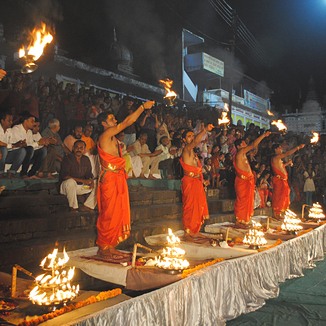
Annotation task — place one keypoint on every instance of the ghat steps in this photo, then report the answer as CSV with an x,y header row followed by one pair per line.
x,y
35,217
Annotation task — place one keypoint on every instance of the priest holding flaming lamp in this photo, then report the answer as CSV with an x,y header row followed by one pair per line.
x,y
194,203
244,181
281,189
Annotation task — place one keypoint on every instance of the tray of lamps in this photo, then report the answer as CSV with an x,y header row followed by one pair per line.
x,y
289,228
316,216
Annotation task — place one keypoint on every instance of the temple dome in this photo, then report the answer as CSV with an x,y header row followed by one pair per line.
x,y
119,53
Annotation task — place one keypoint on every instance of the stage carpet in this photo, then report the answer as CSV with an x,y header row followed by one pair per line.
x,y
302,301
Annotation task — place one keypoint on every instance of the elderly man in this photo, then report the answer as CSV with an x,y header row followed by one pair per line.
x,y
76,178
52,162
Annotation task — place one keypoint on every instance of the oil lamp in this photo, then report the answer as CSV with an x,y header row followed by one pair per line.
x,y
255,237
171,258
54,287
282,129
291,224
38,39
170,95
316,212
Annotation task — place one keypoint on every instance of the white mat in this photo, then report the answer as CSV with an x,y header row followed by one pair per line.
x,y
113,273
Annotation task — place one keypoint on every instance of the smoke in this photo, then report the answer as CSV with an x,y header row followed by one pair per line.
x,y
234,67
263,90
48,11
140,28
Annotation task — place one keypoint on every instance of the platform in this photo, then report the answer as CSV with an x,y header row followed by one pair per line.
x,y
221,292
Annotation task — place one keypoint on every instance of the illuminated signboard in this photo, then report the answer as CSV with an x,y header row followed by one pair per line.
x,y
255,102
203,61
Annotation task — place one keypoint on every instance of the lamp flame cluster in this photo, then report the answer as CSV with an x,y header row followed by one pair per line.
x,y
172,256
255,237
291,223
53,287
316,212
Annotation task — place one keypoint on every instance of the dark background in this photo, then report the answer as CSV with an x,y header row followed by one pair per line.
x,y
290,36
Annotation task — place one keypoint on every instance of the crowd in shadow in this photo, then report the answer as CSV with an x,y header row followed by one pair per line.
x,y
42,119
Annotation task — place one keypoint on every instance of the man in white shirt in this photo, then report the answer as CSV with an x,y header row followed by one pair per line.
x,y
150,160
11,153
166,154
23,133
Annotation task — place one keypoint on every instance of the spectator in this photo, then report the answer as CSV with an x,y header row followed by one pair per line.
x,y
34,155
76,178
13,154
69,141
40,148
126,109
55,148
309,184
149,160
148,124
224,142
166,154
134,164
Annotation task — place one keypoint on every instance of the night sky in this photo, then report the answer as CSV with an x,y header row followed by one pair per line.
x,y
291,35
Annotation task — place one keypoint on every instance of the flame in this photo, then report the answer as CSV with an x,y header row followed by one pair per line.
x,y
270,113
224,116
291,222
279,124
316,211
53,287
39,38
171,257
255,236
315,138
167,84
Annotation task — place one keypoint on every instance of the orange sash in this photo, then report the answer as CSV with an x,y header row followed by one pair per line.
x,y
194,203
244,188
113,223
281,191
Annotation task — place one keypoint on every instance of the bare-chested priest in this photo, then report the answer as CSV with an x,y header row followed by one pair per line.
x,y
281,189
113,223
244,180
195,209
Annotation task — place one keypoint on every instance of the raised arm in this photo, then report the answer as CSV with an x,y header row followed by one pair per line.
x,y
256,142
199,136
291,151
128,121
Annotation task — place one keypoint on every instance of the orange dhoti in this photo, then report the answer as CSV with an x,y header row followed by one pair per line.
x,y
281,192
245,189
113,223
194,203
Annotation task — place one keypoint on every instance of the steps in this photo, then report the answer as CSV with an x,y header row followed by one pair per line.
x,y
33,219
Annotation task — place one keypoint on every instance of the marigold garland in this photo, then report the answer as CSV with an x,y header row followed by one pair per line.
x,y
189,271
92,299
276,243
302,232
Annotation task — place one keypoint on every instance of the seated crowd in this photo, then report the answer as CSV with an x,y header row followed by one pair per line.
x,y
44,127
